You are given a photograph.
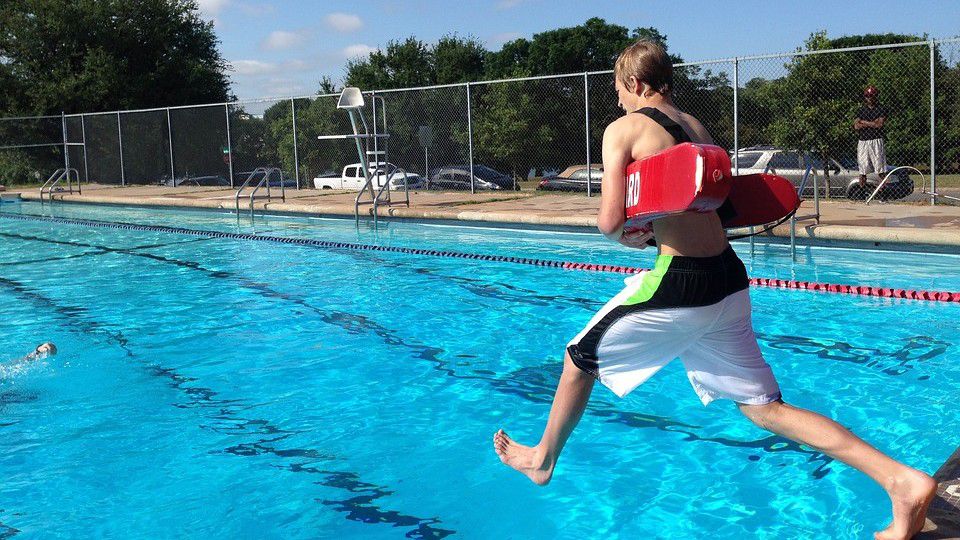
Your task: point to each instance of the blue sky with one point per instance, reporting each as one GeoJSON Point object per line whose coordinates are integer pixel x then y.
{"type": "Point", "coordinates": [283, 48]}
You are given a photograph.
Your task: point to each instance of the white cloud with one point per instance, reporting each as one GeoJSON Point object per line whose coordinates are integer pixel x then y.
{"type": "Point", "coordinates": [281, 39]}
{"type": "Point", "coordinates": [359, 49]}
{"type": "Point", "coordinates": [255, 78]}
{"type": "Point", "coordinates": [343, 22]}
{"type": "Point", "coordinates": [253, 67]}
{"type": "Point", "coordinates": [212, 8]}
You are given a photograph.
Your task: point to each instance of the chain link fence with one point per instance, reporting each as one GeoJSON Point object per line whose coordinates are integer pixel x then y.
{"type": "Point", "coordinates": [429, 135]}
{"type": "Point", "coordinates": [103, 163]}
{"type": "Point", "coordinates": [201, 155]}
{"type": "Point", "coordinates": [793, 114]}
{"type": "Point", "coordinates": [30, 148]}
{"type": "Point", "coordinates": [947, 119]}
{"type": "Point", "coordinates": [797, 114]}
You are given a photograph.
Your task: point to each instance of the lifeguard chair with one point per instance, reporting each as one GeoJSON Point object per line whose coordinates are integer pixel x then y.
{"type": "Point", "coordinates": [351, 100]}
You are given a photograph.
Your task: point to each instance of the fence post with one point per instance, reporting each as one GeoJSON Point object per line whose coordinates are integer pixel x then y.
{"type": "Point", "coordinates": [933, 124]}
{"type": "Point", "coordinates": [473, 188]}
{"type": "Point", "coordinates": [736, 115]}
{"type": "Point", "coordinates": [226, 109]}
{"type": "Point", "coordinates": [376, 148]}
{"type": "Point", "coordinates": [83, 135]}
{"type": "Point", "coordinates": [173, 174]}
{"type": "Point", "coordinates": [123, 175]}
{"type": "Point", "coordinates": [586, 125]}
{"type": "Point", "coordinates": [736, 133]}
{"type": "Point", "coordinates": [296, 158]}
{"type": "Point", "coordinates": [66, 148]}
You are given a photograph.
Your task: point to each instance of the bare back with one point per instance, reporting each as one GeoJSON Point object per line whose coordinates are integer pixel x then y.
{"type": "Point", "coordinates": [690, 234]}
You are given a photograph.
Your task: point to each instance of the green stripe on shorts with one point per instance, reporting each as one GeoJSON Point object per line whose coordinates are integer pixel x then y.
{"type": "Point", "coordinates": [651, 281]}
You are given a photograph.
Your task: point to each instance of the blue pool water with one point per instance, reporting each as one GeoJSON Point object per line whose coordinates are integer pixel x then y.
{"type": "Point", "coordinates": [226, 388]}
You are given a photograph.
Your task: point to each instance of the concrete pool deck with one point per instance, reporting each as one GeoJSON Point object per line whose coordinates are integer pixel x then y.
{"type": "Point", "coordinates": [879, 224]}
{"type": "Point", "coordinates": [943, 518]}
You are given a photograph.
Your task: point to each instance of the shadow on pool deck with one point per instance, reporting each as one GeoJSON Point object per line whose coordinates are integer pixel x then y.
{"type": "Point", "coordinates": [943, 519]}
{"type": "Point", "coordinates": [877, 224]}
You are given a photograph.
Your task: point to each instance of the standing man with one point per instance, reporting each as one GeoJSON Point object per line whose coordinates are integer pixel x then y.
{"type": "Point", "coordinates": [871, 155]}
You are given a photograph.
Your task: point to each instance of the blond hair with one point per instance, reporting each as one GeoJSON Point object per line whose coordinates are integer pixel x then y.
{"type": "Point", "coordinates": [649, 63]}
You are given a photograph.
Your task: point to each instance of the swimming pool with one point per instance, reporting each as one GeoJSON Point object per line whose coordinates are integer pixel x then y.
{"type": "Point", "coordinates": [227, 388]}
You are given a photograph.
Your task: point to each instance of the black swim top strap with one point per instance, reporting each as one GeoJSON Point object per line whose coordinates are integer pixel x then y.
{"type": "Point", "coordinates": [673, 128]}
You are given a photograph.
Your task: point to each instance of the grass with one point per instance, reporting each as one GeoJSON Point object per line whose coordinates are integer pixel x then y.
{"type": "Point", "coordinates": [943, 180]}
{"type": "Point", "coordinates": [21, 185]}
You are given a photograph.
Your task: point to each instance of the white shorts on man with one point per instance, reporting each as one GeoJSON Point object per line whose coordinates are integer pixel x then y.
{"type": "Point", "coordinates": [871, 157]}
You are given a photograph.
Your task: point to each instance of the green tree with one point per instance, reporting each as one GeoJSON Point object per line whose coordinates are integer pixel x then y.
{"type": "Point", "coordinates": [80, 56]}
{"type": "Point", "coordinates": [89, 55]}
{"type": "Point", "coordinates": [508, 133]}
{"type": "Point", "coordinates": [948, 118]}
{"type": "Point", "coordinates": [412, 62]}
{"type": "Point", "coordinates": [512, 58]}
{"type": "Point", "coordinates": [403, 64]}
{"type": "Point", "coordinates": [591, 46]}
{"type": "Point", "coordinates": [813, 106]}
{"type": "Point", "coordinates": [315, 116]}
{"type": "Point", "coordinates": [458, 59]}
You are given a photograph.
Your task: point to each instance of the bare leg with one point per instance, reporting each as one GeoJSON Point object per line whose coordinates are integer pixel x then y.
{"type": "Point", "coordinates": [569, 401]}
{"type": "Point", "coordinates": [909, 490]}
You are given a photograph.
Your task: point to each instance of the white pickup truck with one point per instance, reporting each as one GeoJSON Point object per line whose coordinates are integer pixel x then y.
{"type": "Point", "coordinates": [353, 178]}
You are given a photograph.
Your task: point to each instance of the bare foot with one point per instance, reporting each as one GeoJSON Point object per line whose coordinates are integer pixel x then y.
{"type": "Point", "coordinates": [910, 494]}
{"type": "Point", "coordinates": [528, 460]}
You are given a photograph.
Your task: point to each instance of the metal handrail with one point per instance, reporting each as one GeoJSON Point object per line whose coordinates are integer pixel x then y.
{"type": "Point", "coordinates": [361, 152]}
{"type": "Point", "coordinates": [388, 174]}
{"type": "Point", "coordinates": [923, 184]}
{"type": "Point", "coordinates": [266, 178]}
{"type": "Point", "coordinates": [56, 178]}
{"type": "Point", "coordinates": [361, 136]}
{"type": "Point", "coordinates": [816, 201]}
{"type": "Point", "coordinates": [266, 172]}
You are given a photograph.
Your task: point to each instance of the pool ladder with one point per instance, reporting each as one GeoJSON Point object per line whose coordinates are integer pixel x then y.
{"type": "Point", "coordinates": [382, 196]}
{"type": "Point", "coordinates": [266, 173]}
{"type": "Point", "coordinates": [809, 172]}
{"type": "Point", "coordinates": [58, 176]}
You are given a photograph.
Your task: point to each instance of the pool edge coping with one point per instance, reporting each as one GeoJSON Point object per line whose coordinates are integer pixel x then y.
{"type": "Point", "coordinates": [943, 518]}
{"type": "Point", "coordinates": [879, 238]}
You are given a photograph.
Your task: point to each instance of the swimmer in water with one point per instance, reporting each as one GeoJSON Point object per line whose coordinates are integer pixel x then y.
{"type": "Point", "coordinates": [44, 350]}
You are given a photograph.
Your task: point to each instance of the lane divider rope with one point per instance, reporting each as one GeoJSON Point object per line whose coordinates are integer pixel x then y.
{"type": "Point", "coordinates": [860, 290]}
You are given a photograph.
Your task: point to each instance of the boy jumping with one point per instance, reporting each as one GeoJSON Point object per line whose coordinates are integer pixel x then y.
{"type": "Point", "coordinates": [694, 305]}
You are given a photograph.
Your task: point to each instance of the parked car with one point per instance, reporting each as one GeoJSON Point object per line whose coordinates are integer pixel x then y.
{"type": "Point", "coordinates": [212, 180]}
{"type": "Point", "coordinates": [457, 177]}
{"type": "Point", "coordinates": [240, 177]}
{"type": "Point", "coordinates": [542, 172]}
{"type": "Point", "coordinates": [352, 178]}
{"type": "Point", "coordinates": [844, 179]}
{"type": "Point", "coordinates": [574, 178]}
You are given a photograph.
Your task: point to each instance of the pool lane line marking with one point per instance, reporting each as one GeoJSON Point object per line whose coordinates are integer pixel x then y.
{"type": "Point", "coordinates": [858, 290]}
{"type": "Point", "coordinates": [362, 509]}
